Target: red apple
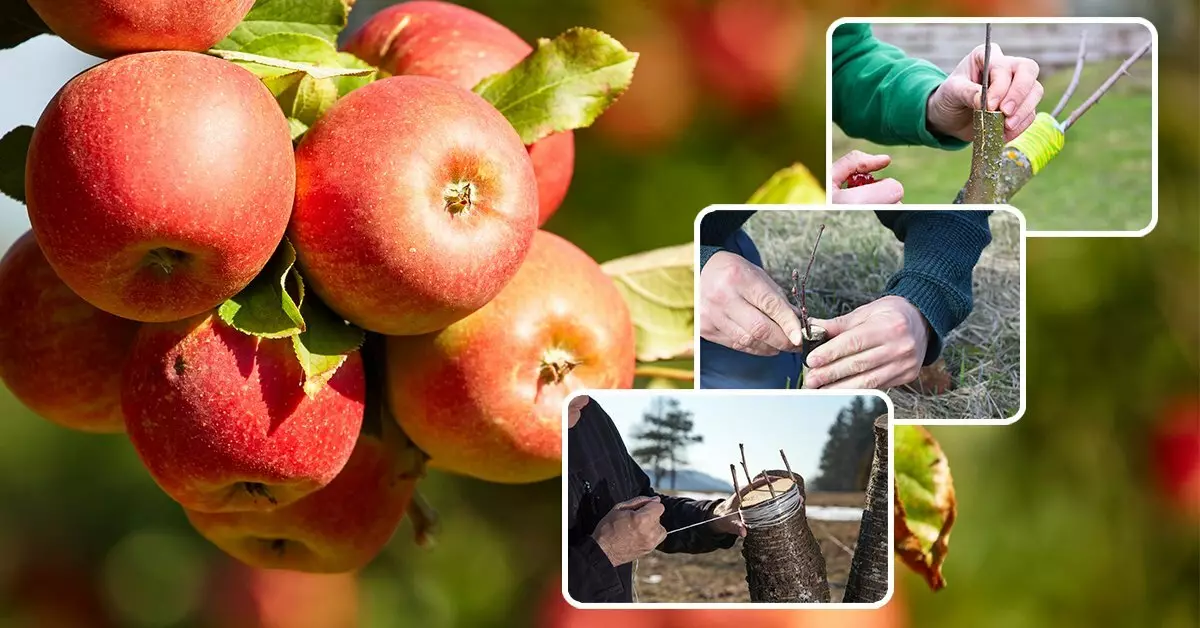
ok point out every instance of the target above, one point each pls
(109, 28)
(749, 51)
(159, 184)
(1176, 455)
(660, 104)
(243, 597)
(458, 45)
(415, 204)
(339, 528)
(484, 397)
(222, 421)
(59, 356)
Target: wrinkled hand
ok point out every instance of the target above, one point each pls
(630, 530)
(742, 308)
(1013, 88)
(731, 524)
(879, 345)
(881, 192)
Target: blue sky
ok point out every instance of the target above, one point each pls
(33, 72)
(765, 423)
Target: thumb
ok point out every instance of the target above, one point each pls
(962, 93)
(838, 325)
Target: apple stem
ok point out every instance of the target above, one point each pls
(459, 197)
(424, 519)
(258, 489)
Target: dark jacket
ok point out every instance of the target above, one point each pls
(601, 474)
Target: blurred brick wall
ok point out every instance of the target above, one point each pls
(1053, 46)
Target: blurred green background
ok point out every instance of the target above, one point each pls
(1062, 521)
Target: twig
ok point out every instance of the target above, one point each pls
(737, 490)
(987, 59)
(1087, 104)
(804, 284)
(767, 479)
(664, 372)
(1079, 60)
(787, 466)
(745, 469)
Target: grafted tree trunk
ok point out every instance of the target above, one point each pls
(784, 562)
(868, 580)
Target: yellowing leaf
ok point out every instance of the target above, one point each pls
(324, 345)
(793, 185)
(925, 506)
(658, 286)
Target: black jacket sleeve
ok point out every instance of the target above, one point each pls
(680, 512)
(591, 578)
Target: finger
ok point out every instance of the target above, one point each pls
(855, 340)
(841, 324)
(964, 92)
(757, 331)
(636, 502)
(650, 512)
(1018, 127)
(769, 299)
(847, 367)
(1022, 76)
(882, 192)
(884, 376)
(1025, 112)
(853, 162)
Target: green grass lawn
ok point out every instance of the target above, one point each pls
(856, 258)
(1101, 181)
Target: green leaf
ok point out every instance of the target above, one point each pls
(14, 148)
(794, 185)
(925, 504)
(270, 306)
(320, 18)
(566, 83)
(297, 128)
(283, 54)
(312, 99)
(324, 345)
(658, 287)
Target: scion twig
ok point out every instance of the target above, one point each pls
(987, 59)
(1079, 60)
(767, 479)
(1104, 87)
(737, 490)
(745, 469)
(804, 284)
(788, 466)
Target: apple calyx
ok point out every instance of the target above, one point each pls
(459, 197)
(424, 520)
(258, 489)
(556, 365)
(165, 259)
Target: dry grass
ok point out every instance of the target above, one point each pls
(855, 260)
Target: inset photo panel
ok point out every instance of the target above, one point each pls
(1067, 132)
(739, 499)
(924, 303)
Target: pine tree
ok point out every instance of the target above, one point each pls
(664, 437)
(851, 442)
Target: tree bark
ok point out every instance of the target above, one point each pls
(868, 580)
(784, 562)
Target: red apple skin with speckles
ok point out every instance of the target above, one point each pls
(59, 356)
(222, 421)
(337, 529)
(159, 184)
(109, 28)
(481, 397)
(459, 45)
(376, 232)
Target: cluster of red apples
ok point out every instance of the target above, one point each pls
(163, 183)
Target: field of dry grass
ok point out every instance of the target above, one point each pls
(720, 577)
(857, 256)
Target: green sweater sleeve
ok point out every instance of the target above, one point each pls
(880, 93)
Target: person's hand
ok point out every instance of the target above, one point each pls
(630, 530)
(575, 409)
(731, 524)
(879, 345)
(881, 192)
(1013, 89)
(742, 308)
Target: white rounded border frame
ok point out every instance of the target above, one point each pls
(1023, 239)
(694, 393)
(1154, 93)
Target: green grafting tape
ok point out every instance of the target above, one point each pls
(1040, 142)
